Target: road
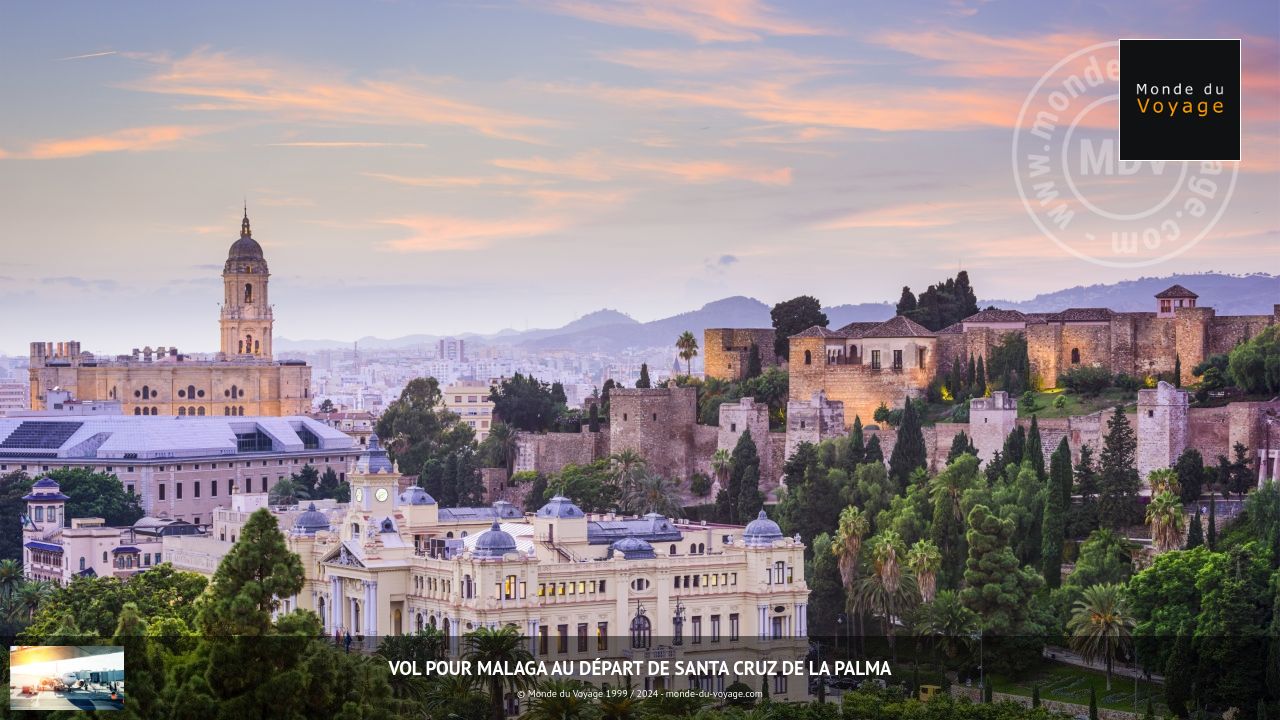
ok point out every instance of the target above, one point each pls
(1066, 656)
(69, 700)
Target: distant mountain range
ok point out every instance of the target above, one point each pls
(611, 331)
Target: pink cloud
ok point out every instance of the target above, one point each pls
(140, 139)
(301, 94)
(440, 233)
(703, 20)
(454, 181)
(594, 166)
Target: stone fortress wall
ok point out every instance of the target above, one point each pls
(725, 351)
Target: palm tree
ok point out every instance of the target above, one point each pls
(1164, 479)
(10, 577)
(924, 559)
(721, 463)
(888, 591)
(1100, 625)
(886, 554)
(848, 542)
(29, 597)
(1167, 520)
(652, 493)
(448, 693)
(626, 465)
(500, 645)
(504, 439)
(619, 708)
(688, 346)
(948, 620)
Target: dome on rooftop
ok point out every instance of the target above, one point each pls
(416, 496)
(494, 543)
(311, 521)
(633, 548)
(761, 532)
(560, 507)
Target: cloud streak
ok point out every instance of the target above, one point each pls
(594, 166)
(703, 20)
(140, 139)
(222, 81)
(442, 233)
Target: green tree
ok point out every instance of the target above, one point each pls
(1015, 447)
(687, 344)
(256, 573)
(593, 422)
(1167, 521)
(942, 303)
(1211, 538)
(793, 316)
(1034, 452)
(330, 486)
(498, 645)
(96, 494)
(997, 588)
(906, 302)
(947, 490)
(307, 479)
(1190, 469)
(755, 365)
(287, 492)
(1105, 557)
(644, 381)
(1055, 515)
(1195, 532)
(1254, 365)
(887, 591)
(525, 403)
(874, 454)
(1118, 481)
(417, 428)
(743, 458)
(1009, 366)
(1100, 625)
(924, 559)
(326, 406)
(909, 452)
(960, 444)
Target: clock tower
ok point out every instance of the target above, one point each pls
(246, 311)
(374, 484)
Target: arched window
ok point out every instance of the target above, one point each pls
(200, 411)
(182, 411)
(146, 392)
(702, 548)
(82, 563)
(1075, 356)
(137, 411)
(257, 348)
(191, 411)
(248, 292)
(641, 632)
(240, 348)
(104, 556)
(248, 342)
(419, 622)
(673, 550)
(808, 358)
(191, 391)
(468, 587)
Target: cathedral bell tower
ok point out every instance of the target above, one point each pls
(246, 310)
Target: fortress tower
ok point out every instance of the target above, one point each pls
(1162, 428)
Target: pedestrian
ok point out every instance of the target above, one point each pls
(347, 640)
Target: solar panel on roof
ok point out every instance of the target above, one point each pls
(42, 435)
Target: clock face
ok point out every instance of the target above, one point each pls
(381, 494)
(359, 494)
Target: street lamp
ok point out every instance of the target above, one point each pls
(841, 619)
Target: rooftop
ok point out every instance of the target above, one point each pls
(1175, 291)
(899, 327)
(143, 437)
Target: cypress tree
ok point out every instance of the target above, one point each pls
(1034, 450)
(1177, 371)
(960, 445)
(1118, 481)
(971, 374)
(751, 501)
(1015, 447)
(994, 469)
(643, 382)
(1211, 537)
(744, 457)
(909, 451)
(957, 383)
(754, 366)
(980, 378)
(593, 418)
(1055, 515)
(874, 453)
(857, 447)
(1195, 533)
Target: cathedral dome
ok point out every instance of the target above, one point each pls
(633, 548)
(246, 248)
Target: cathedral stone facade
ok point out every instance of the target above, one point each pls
(241, 379)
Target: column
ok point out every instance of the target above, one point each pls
(533, 637)
(335, 604)
(1263, 463)
(371, 608)
(453, 635)
(762, 620)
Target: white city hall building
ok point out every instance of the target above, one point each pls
(577, 585)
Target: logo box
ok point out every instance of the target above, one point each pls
(1180, 99)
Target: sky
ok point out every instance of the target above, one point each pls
(455, 167)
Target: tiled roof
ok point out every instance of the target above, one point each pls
(856, 329)
(49, 547)
(1037, 318)
(1082, 315)
(899, 327)
(952, 329)
(817, 331)
(1176, 291)
(996, 315)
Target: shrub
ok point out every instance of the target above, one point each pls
(700, 485)
(1128, 382)
(1089, 380)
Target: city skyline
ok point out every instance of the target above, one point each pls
(445, 169)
